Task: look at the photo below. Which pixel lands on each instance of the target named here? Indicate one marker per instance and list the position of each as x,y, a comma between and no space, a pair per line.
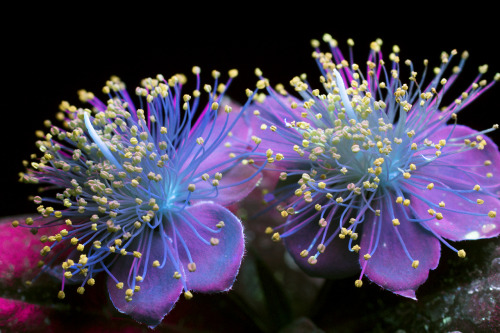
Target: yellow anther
415,263
492,213
399,200
461,253
395,222
214,241
188,295
284,213
439,216
304,253
358,283
61,294
119,285
191,267
156,263
356,248
269,230
413,167
442,204
406,202
91,282
367,256
430,186
129,292
191,187
312,260
276,237
15,223
80,290
137,254
480,201
406,175
431,212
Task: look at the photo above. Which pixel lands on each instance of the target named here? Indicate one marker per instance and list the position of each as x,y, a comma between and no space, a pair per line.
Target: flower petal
216,265
466,167
235,185
335,263
389,266
159,289
459,215
235,140
19,254
454,178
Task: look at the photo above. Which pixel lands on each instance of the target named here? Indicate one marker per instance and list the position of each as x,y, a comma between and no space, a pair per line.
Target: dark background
50,53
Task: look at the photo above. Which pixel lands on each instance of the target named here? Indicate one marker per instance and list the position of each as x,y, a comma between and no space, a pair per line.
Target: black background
50,53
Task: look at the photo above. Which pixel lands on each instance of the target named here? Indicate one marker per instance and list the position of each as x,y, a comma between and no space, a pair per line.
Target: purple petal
273,113
234,141
335,263
459,221
471,161
454,177
216,265
159,289
389,265
235,185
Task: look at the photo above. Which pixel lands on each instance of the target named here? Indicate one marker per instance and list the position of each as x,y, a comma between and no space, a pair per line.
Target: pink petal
216,265
389,266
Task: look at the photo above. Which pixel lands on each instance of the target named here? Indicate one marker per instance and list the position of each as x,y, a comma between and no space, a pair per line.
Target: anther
312,260
191,267
415,263
461,253
358,283
188,295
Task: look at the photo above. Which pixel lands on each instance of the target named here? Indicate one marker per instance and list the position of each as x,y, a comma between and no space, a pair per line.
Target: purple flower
377,167
139,194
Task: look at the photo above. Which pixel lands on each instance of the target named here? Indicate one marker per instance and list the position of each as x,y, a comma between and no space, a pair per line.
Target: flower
371,167
139,195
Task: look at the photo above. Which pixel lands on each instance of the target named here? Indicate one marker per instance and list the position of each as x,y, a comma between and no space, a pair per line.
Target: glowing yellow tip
156,263
461,253
188,295
269,230
61,294
415,263
119,285
312,260
191,267
276,237
15,223
358,283
395,222
492,213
